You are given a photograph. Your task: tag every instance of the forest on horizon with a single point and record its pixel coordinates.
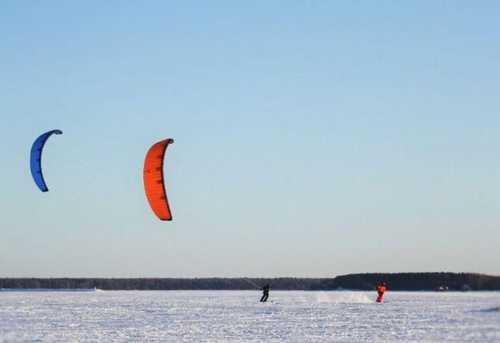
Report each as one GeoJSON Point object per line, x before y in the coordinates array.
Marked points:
{"type": "Point", "coordinates": [367, 281]}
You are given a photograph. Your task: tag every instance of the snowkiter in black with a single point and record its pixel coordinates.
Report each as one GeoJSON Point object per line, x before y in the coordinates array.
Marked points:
{"type": "Point", "coordinates": [265, 293]}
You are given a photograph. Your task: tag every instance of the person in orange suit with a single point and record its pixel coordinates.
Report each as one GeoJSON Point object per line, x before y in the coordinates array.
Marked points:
{"type": "Point", "coordinates": [381, 289]}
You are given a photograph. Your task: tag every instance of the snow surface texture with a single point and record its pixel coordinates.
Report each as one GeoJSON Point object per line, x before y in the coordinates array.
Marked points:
{"type": "Point", "coordinates": [234, 316]}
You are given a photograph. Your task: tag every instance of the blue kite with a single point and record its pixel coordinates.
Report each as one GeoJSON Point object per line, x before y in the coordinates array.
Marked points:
{"type": "Point", "coordinates": [36, 158]}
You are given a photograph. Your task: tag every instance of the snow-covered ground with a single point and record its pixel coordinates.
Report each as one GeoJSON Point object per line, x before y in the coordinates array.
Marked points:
{"type": "Point", "coordinates": [233, 316]}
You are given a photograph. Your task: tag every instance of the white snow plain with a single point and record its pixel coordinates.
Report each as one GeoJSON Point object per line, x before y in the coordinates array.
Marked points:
{"type": "Point", "coordinates": [237, 316]}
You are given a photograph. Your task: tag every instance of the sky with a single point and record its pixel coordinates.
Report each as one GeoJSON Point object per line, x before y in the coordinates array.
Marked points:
{"type": "Point", "coordinates": [312, 138]}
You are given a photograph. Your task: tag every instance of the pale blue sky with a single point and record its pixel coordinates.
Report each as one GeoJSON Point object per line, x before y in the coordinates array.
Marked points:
{"type": "Point", "coordinates": [312, 138]}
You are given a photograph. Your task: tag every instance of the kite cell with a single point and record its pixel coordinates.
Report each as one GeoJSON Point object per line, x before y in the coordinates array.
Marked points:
{"type": "Point", "coordinates": [154, 181]}
{"type": "Point", "coordinates": [36, 159]}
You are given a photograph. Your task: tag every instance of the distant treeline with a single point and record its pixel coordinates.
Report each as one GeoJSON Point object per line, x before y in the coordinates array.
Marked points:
{"type": "Point", "coordinates": [160, 283]}
{"type": "Point", "coordinates": [415, 281]}
{"type": "Point", "coordinates": [395, 281]}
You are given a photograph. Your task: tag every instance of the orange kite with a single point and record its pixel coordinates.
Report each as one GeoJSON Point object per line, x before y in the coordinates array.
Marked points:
{"type": "Point", "coordinates": [154, 181]}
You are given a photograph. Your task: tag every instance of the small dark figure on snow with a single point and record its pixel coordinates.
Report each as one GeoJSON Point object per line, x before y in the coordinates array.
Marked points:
{"type": "Point", "coordinates": [265, 293]}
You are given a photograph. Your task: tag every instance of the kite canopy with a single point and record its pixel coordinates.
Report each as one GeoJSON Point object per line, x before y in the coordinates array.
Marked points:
{"type": "Point", "coordinates": [36, 158]}
{"type": "Point", "coordinates": [154, 181]}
